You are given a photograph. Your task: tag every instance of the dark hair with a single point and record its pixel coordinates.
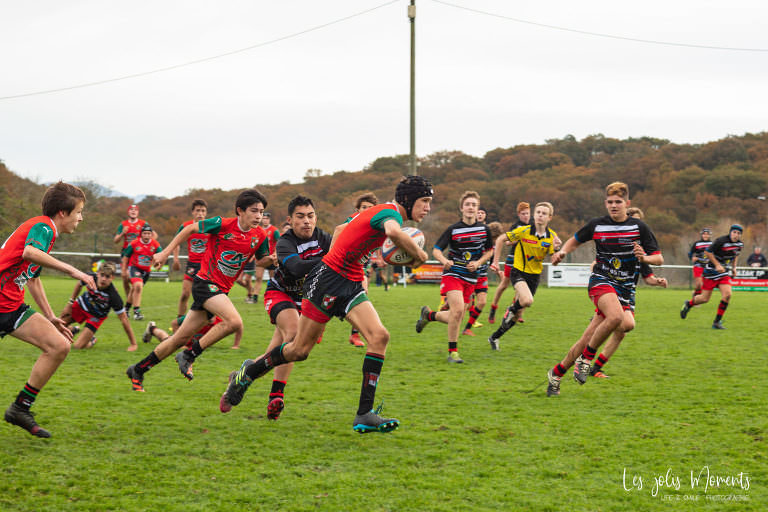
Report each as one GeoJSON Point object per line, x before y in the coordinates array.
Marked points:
{"type": "Point", "coordinates": [369, 197]}
{"type": "Point", "coordinates": [61, 197]}
{"type": "Point", "coordinates": [249, 197]}
{"type": "Point", "coordinates": [198, 202]}
{"type": "Point", "coordinates": [299, 201]}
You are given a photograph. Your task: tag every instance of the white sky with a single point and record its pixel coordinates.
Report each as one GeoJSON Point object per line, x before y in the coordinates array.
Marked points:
{"type": "Point", "coordinates": [337, 98]}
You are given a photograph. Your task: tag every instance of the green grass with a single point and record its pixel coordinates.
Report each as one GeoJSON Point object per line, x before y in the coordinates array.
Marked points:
{"type": "Point", "coordinates": [682, 397]}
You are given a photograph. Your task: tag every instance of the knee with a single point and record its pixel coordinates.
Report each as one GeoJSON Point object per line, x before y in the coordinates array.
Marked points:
{"type": "Point", "coordinates": [300, 353]}
{"type": "Point", "coordinates": [627, 325]}
{"type": "Point", "coordinates": [234, 324]}
{"type": "Point", "coordinates": [60, 348]}
{"type": "Point", "coordinates": [526, 302]}
{"type": "Point", "coordinates": [379, 338]}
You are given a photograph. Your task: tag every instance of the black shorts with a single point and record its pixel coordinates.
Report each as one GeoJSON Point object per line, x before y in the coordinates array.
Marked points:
{"type": "Point", "coordinates": [193, 267]}
{"type": "Point", "coordinates": [532, 280]}
{"type": "Point", "coordinates": [11, 320]}
{"type": "Point", "coordinates": [330, 293]}
{"type": "Point", "coordinates": [249, 267]}
{"type": "Point", "coordinates": [137, 273]}
{"type": "Point", "coordinates": [203, 290]}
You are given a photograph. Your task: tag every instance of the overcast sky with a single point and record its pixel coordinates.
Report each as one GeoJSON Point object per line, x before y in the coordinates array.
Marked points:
{"type": "Point", "coordinates": [336, 98]}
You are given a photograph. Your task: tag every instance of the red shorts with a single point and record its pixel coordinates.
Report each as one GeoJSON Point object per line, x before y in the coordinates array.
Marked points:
{"type": "Point", "coordinates": [276, 301]}
{"type": "Point", "coordinates": [507, 270]}
{"type": "Point", "coordinates": [481, 285]}
{"type": "Point", "coordinates": [80, 316]}
{"type": "Point", "coordinates": [449, 283]}
{"type": "Point", "coordinates": [598, 291]}
{"type": "Point", "coordinates": [711, 284]}
{"type": "Point", "coordinates": [697, 271]}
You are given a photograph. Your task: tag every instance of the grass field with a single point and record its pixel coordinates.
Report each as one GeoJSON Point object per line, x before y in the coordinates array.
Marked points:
{"type": "Point", "coordinates": [682, 398]}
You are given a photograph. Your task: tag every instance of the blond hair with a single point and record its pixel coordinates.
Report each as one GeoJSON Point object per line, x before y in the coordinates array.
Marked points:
{"type": "Point", "coordinates": [466, 195]}
{"type": "Point", "coordinates": [547, 205]}
{"type": "Point", "coordinates": [635, 212]}
{"type": "Point", "coordinates": [107, 268]}
{"type": "Point", "coordinates": [617, 188]}
{"type": "Point", "coordinates": [496, 229]}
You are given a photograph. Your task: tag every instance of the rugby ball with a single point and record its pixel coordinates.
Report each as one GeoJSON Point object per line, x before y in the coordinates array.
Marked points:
{"type": "Point", "coordinates": [393, 255]}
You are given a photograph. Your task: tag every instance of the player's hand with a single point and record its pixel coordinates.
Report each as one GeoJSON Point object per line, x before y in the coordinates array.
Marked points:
{"type": "Point", "coordinates": [472, 266]}
{"type": "Point", "coordinates": [61, 326]}
{"type": "Point", "coordinates": [557, 243]}
{"type": "Point", "coordinates": [494, 266]}
{"type": "Point", "coordinates": [639, 252]}
{"type": "Point", "coordinates": [661, 281]}
{"type": "Point", "coordinates": [422, 258]}
{"type": "Point", "coordinates": [87, 279]}
{"type": "Point", "coordinates": [176, 264]}
{"type": "Point", "coordinates": [557, 257]}
{"type": "Point", "coordinates": [447, 265]}
{"type": "Point", "coordinates": [273, 257]}
{"type": "Point", "coordinates": [158, 259]}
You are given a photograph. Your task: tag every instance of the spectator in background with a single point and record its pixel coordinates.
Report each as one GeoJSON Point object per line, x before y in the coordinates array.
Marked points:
{"type": "Point", "coordinates": [757, 258]}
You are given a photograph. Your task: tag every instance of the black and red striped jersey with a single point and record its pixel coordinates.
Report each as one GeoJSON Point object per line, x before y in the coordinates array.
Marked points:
{"type": "Point", "coordinates": [725, 251]}
{"type": "Point", "coordinates": [615, 260]}
{"type": "Point", "coordinates": [697, 249]}
{"type": "Point", "coordinates": [295, 258]}
{"type": "Point", "coordinates": [464, 243]}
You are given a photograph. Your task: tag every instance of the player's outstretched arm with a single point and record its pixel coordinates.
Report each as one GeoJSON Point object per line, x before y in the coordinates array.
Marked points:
{"type": "Point", "coordinates": [127, 328]}
{"type": "Point", "coordinates": [404, 241]}
{"type": "Point", "coordinates": [44, 259]}
{"type": "Point", "coordinates": [159, 258]}
{"type": "Point", "coordinates": [570, 245]}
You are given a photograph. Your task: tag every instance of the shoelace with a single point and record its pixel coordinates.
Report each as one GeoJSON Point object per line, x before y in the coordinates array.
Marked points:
{"type": "Point", "coordinates": [380, 408]}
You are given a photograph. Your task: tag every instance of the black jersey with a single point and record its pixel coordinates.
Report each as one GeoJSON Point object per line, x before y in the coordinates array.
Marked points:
{"type": "Point", "coordinates": [466, 243]}
{"type": "Point", "coordinates": [697, 249]}
{"type": "Point", "coordinates": [99, 303]}
{"type": "Point", "coordinates": [295, 258]}
{"type": "Point", "coordinates": [725, 252]}
{"type": "Point", "coordinates": [615, 261]}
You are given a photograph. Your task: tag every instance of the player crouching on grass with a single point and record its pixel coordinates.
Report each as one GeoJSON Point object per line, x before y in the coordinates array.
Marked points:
{"type": "Point", "coordinates": [92, 308]}
{"type": "Point", "coordinates": [534, 242]}
{"type": "Point", "coordinates": [621, 243]}
{"type": "Point", "coordinates": [334, 288]}
{"type": "Point", "coordinates": [232, 241]}
{"type": "Point", "coordinates": [721, 264]}
{"type": "Point", "coordinates": [22, 257]}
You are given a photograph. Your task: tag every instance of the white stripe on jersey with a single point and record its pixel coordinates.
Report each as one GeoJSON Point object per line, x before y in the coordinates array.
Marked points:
{"type": "Point", "coordinates": [477, 229]}
{"type": "Point", "coordinates": [307, 245]}
{"type": "Point", "coordinates": [604, 228]}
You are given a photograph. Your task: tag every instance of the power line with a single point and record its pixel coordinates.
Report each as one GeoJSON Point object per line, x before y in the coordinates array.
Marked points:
{"type": "Point", "coordinates": [598, 34]}
{"type": "Point", "coordinates": [204, 59]}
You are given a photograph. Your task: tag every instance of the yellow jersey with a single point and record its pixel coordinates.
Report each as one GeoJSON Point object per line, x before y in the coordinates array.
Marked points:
{"type": "Point", "coordinates": [531, 249]}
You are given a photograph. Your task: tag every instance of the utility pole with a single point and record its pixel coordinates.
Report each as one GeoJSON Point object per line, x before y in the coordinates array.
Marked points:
{"type": "Point", "coordinates": [412, 18]}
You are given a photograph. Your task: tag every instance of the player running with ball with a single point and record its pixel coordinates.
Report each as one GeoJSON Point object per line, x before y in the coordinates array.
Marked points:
{"type": "Point", "coordinates": [334, 288]}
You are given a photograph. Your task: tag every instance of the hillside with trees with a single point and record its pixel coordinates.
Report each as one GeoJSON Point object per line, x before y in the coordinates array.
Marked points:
{"type": "Point", "coordinates": [680, 187]}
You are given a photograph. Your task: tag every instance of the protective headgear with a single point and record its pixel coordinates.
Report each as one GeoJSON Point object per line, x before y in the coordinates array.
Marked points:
{"type": "Point", "coordinates": [146, 227]}
{"type": "Point", "coordinates": [737, 227]}
{"type": "Point", "coordinates": [410, 189]}
{"type": "Point", "coordinates": [706, 230]}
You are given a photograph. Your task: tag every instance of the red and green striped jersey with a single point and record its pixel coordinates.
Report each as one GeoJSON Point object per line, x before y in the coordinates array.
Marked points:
{"type": "Point", "coordinates": [132, 230]}
{"type": "Point", "coordinates": [229, 247]}
{"type": "Point", "coordinates": [140, 254]}
{"type": "Point", "coordinates": [196, 244]}
{"type": "Point", "coordinates": [362, 236]}
{"type": "Point", "coordinates": [15, 271]}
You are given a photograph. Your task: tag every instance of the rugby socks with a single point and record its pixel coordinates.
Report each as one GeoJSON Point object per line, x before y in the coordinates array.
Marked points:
{"type": "Point", "coordinates": [721, 310]}
{"type": "Point", "coordinates": [559, 370]}
{"type": "Point", "coordinates": [474, 313]}
{"type": "Point", "coordinates": [600, 362]}
{"type": "Point", "coordinates": [128, 307]}
{"type": "Point", "coordinates": [147, 363]}
{"type": "Point", "coordinates": [432, 316]}
{"type": "Point", "coordinates": [263, 364]}
{"type": "Point", "coordinates": [589, 353]}
{"type": "Point", "coordinates": [354, 331]}
{"type": "Point", "coordinates": [371, 370]}
{"type": "Point", "coordinates": [696, 292]}
{"type": "Point", "coordinates": [278, 389]}
{"type": "Point", "coordinates": [453, 346]}
{"type": "Point", "coordinates": [195, 349]}
{"type": "Point", "coordinates": [514, 308]}
{"type": "Point", "coordinates": [27, 396]}
{"type": "Point", "coordinates": [492, 314]}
